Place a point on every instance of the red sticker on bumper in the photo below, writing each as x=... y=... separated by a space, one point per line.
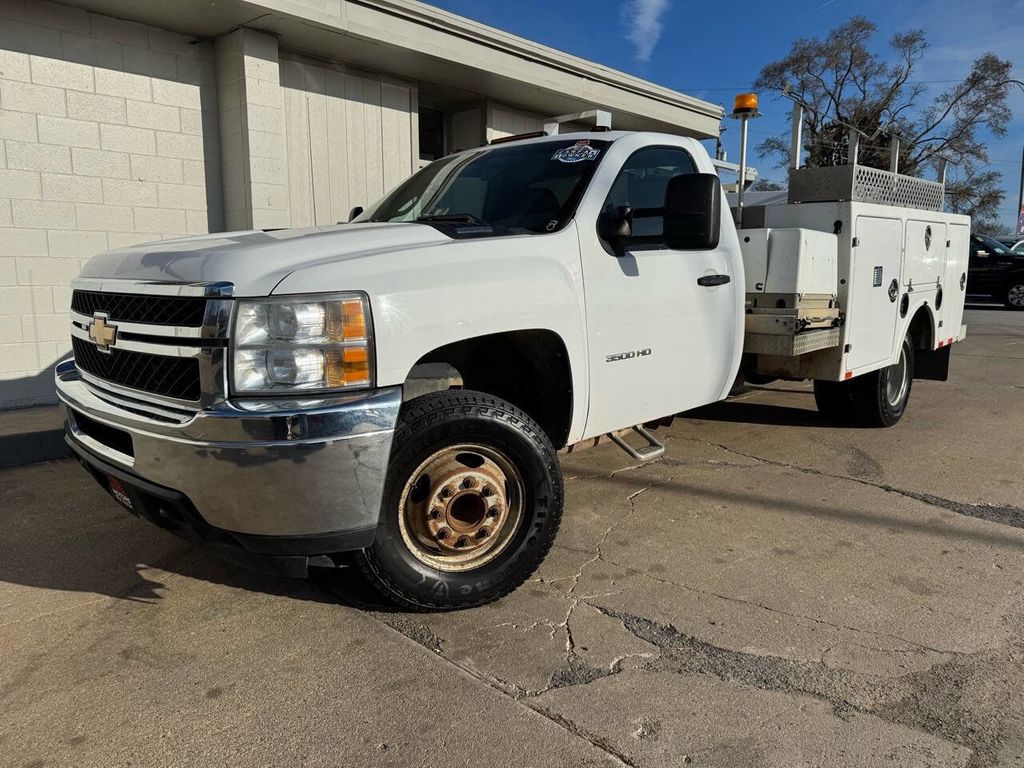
x=119 y=492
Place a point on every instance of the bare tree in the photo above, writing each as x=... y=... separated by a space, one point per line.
x=980 y=196
x=765 y=185
x=846 y=83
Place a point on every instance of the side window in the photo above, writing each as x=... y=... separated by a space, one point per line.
x=641 y=186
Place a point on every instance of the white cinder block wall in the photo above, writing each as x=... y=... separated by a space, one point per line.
x=114 y=133
x=350 y=138
x=108 y=137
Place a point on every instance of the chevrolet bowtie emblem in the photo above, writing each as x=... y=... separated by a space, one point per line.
x=104 y=335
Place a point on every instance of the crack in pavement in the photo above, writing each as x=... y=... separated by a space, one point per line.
x=936 y=701
x=598 y=555
x=613 y=473
x=576 y=730
x=1004 y=515
x=665 y=461
x=576 y=670
x=416 y=632
x=421 y=635
x=770 y=609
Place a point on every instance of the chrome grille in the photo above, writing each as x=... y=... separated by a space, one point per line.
x=186 y=311
x=169 y=341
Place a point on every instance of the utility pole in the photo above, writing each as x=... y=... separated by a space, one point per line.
x=1020 y=198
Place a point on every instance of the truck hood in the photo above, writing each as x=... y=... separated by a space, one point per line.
x=256 y=261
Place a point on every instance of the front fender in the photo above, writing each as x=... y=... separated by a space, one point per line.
x=438 y=295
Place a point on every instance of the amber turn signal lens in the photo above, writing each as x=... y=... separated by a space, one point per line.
x=347 y=367
x=353 y=320
x=347 y=321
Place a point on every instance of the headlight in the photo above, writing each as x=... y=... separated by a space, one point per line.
x=287 y=344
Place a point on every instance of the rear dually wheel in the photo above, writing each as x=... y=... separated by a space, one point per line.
x=880 y=398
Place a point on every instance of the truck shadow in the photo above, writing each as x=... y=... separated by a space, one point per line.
x=63 y=533
x=740 y=412
x=68 y=536
x=940 y=522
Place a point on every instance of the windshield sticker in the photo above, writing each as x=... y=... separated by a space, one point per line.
x=577 y=153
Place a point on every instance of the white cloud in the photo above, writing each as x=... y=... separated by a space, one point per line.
x=642 y=25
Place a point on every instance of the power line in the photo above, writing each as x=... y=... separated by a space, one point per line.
x=737 y=88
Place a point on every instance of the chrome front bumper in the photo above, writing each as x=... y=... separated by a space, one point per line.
x=307 y=470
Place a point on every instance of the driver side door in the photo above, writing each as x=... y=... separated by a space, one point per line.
x=989 y=265
x=661 y=323
x=979 y=273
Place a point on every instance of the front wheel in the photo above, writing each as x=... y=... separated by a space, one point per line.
x=472 y=503
x=1013 y=295
x=880 y=397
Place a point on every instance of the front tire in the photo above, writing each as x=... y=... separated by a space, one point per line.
x=1013 y=294
x=472 y=503
x=880 y=398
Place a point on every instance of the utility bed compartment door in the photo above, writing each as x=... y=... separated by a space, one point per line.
x=871 y=315
x=789 y=261
x=924 y=254
x=952 y=312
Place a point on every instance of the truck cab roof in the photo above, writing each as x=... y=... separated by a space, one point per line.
x=608 y=136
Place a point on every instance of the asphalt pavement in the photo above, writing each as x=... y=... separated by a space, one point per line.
x=774 y=591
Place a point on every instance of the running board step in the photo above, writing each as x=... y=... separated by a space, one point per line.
x=652 y=450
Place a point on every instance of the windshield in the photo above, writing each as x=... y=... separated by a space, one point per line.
x=993 y=245
x=527 y=188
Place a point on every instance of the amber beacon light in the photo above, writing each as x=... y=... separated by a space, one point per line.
x=745 y=104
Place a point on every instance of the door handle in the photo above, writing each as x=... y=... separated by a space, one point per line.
x=709 y=281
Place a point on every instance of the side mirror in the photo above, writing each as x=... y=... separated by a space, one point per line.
x=982 y=254
x=615 y=224
x=357 y=211
x=693 y=212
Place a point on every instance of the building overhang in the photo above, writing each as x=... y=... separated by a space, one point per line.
x=415 y=41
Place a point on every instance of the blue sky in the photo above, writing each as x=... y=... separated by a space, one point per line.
x=715 y=50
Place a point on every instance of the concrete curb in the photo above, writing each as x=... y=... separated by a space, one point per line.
x=32 y=435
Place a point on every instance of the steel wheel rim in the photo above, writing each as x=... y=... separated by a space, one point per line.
x=898 y=378
x=1016 y=295
x=461 y=507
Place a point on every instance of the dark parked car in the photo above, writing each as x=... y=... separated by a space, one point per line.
x=1014 y=243
x=996 y=271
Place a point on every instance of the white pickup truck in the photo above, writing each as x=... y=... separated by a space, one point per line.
x=392 y=392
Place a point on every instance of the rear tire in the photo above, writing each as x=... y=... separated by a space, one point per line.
x=834 y=400
x=880 y=397
x=472 y=503
x=1013 y=294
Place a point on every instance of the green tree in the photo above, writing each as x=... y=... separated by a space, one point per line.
x=848 y=83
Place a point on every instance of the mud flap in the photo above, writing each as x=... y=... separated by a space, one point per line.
x=932 y=366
